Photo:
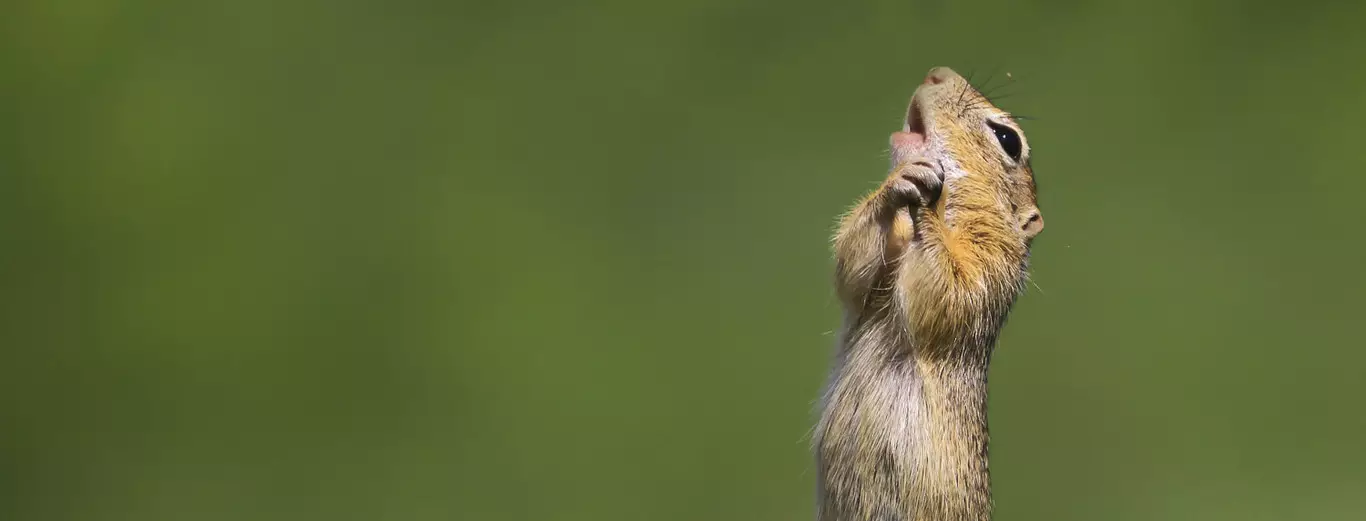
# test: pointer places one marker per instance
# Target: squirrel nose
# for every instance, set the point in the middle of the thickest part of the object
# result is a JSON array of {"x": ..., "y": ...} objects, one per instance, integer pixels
[{"x": 939, "y": 75}]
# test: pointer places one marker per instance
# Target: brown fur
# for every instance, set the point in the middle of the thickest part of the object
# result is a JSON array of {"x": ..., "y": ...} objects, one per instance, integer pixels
[{"x": 927, "y": 268}]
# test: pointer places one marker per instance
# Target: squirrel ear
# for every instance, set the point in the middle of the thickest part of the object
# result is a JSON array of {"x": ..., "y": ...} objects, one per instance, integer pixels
[{"x": 1033, "y": 223}]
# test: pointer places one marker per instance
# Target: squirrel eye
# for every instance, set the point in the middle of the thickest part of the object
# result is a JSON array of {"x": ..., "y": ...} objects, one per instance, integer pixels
[{"x": 1008, "y": 138}]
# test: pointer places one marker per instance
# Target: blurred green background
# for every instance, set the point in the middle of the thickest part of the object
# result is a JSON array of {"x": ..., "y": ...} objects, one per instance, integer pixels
[{"x": 520, "y": 261}]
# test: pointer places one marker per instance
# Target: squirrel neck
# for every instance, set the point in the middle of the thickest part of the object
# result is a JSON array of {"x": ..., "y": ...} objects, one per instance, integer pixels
[{"x": 904, "y": 434}]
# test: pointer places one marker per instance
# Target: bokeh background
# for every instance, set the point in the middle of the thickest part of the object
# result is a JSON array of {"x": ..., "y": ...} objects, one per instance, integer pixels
[{"x": 419, "y": 260}]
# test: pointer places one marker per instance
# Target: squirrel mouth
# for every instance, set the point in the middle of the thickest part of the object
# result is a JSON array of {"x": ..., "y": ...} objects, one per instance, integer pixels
[
  {"x": 915, "y": 118},
  {"x": 913, "y": 136}
]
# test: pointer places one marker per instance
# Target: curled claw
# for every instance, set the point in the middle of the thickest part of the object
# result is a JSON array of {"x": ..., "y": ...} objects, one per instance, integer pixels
[{"x": 917, "y": 183}]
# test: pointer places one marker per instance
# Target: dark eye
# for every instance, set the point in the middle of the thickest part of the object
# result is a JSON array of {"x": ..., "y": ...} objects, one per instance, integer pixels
[{"x": 1008, "y": 138}]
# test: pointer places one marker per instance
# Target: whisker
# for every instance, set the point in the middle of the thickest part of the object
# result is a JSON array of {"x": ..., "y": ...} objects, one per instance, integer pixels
[
  {"x": 990, "y": 92},
  {"x": 999, "y": 97},
  {"x": 967, "y": 80},
  {"x": 1017, "y": 78},
  {"x": 990, "y": 76},
  {"x": 962, "y": 92}
]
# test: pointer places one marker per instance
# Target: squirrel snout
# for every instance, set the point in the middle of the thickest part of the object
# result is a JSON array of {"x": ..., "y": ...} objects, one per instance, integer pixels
[{"x": 939, "y": 75}]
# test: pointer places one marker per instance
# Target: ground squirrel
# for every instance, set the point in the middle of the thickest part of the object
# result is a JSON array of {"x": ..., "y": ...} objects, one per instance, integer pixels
[{"x": 927, "y": 268}]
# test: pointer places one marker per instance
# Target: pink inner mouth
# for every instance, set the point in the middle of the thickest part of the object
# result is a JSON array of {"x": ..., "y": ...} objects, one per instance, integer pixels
[
  {"x": 907, "y": 141},
  {"x": 911, "y": 139}
]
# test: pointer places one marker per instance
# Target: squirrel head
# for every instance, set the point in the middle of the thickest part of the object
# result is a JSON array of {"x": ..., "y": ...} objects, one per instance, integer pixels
[{"x": 981, "y": 149}]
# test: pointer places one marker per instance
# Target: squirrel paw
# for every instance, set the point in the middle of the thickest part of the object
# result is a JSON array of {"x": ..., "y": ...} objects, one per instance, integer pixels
[{"x": 916, "y": 183}]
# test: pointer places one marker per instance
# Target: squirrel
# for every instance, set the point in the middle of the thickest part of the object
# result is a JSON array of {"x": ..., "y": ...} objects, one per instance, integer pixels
[{"x": 927, "y": 268}]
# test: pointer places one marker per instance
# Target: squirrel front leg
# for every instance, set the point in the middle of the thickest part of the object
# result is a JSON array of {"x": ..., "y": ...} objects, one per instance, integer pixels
[
  {"x": 874, "y": 235},
  {"x": 954, "y": 278}
]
